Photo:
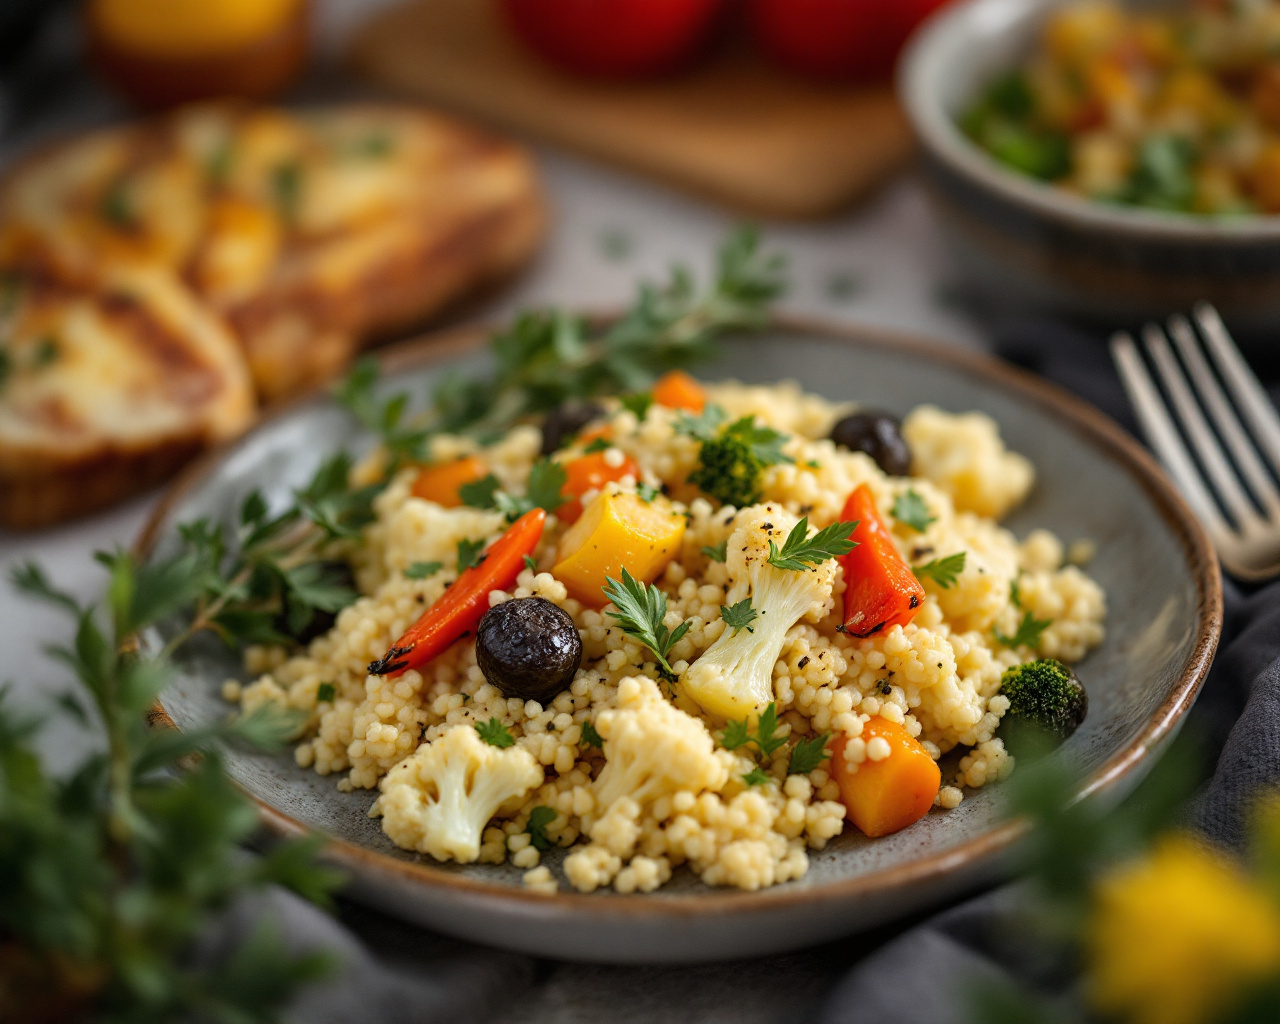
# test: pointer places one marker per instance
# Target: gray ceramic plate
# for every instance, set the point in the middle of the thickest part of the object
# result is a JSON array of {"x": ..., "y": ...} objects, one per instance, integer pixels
[{"x": 1158, "y": 570}]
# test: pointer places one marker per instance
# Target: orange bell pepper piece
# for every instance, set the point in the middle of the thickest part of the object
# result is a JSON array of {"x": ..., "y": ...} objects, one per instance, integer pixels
[
  {"x": 440, "y": 483},
  {"x": 880, "y": 590},
  {"x": 590, "y": 473},
  {"x": 886, "y": 796},
  {"x": 459, "y": 611},
  {"x": 677, "y": 390}
]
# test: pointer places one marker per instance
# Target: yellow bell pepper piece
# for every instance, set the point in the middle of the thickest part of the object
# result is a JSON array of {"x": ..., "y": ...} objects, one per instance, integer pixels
[{"x": 617, "y": 531}]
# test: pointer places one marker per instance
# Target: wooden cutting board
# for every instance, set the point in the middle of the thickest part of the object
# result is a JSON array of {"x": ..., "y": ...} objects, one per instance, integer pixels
[{"x": 734, "y": 129}]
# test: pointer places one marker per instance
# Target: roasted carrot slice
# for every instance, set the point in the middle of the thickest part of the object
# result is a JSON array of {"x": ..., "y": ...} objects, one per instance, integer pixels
[
  {"x": 880, "y": 590},
  {"x": 886, "y": 795},
  {"x": 590, "y": 473},
  {"x": 677, "y": 390},
  {"x": 459, "y": 611},
  {"x": 440, "y": 483}
]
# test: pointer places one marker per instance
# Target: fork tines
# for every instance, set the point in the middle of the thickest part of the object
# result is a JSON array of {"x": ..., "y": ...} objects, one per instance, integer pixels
[{"x": 1226, "y": 463}]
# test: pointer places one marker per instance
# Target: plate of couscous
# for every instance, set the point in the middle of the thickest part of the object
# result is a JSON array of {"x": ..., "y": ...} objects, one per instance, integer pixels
[{"x": 721, "y": 666}]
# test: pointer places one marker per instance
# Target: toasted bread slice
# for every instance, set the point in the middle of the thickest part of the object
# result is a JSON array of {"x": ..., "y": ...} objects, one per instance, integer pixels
[
  {"x": 311, "y": 233},
  {"x": 104, "y": 391}
]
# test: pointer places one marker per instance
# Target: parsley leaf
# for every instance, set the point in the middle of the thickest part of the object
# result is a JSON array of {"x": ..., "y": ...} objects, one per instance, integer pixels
[
  {"x": 495, "y": 734},
  {"x": 404, "y": 442},
  {"x": 422, "y": 570},
  {"x": 591, "y": 738},
  {"x": 640, "y": 613},
  {"x": 739, "y": 616},
  {"x": 546, "y": 485},
  {"x": 530, "y": 563},
  {"x": 765, "y": 443},
  {"x": 763, "y": 737},
  {"x": 911, "y": 511},
  {"x": 469, "y": 553},
  {"x": 704, "y": 426},
  {"x": 638, "y": 403},
  {"x": 326, "y": 692},
  {"x": 757, "y": 777},
  {"x": 598, "y": 444},
  {"x": 480, "y": 493},
  {"x": 808, "y": 754},
  {"x": 539, "y": 818},
  {"x": 1015, "y": 595},
  {"x": 800, "y": 550},
  {"x": 943, "y": 571},
  {"x": 1027, "y": 634},
  {"x": 718, "y": 553},
  {"x": 647, "y": 492}
]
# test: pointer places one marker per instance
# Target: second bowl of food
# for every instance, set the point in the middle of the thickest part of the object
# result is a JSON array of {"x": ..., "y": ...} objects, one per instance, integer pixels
[{"x": 1106, "y": 161}]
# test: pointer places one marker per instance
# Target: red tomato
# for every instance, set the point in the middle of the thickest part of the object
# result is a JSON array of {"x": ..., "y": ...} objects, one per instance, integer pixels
[
  {"x": 838, "y": 39},
  {"x": 613, "y": 38}
]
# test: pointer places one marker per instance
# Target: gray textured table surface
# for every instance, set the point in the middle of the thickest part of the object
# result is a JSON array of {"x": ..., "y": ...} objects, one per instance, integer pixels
[{"x": 879, "y": 265}]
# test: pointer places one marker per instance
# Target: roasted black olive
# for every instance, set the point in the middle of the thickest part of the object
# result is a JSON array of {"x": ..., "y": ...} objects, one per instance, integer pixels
[
  {"x": 879, "y": 435},
  {"x": 563, "y": 423},
  {"x": 305, "y": 624},
  {"x": 528, "y": 648}
]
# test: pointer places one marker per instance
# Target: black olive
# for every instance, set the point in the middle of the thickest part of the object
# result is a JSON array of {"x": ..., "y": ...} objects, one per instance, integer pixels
[
  {"x": 563, "y": 423},
  {"x": 305, "y": 627},
  {"x": 528, "y": 648},
  {"x": 879, "y": 435}
]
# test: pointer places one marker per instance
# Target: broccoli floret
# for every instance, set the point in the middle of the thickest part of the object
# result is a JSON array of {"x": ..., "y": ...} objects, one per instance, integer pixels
[
  {"x": 730, "y": 471},
  {"x": 1047, "y": 703},
  {"x": 732, "y": 461}
]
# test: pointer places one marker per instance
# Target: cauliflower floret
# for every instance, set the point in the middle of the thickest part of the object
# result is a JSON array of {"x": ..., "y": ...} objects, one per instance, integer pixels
[
  {"x": 734, "y": 676},
  {"x": 439, "y": 799},
  {"x": 652, "y": 748}
]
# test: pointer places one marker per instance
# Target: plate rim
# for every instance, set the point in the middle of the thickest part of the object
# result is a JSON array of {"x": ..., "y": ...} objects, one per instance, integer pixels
[{"x": 440, "y": 347}]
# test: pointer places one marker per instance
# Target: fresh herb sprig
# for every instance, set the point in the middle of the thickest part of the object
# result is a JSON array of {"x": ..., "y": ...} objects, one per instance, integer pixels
[
  {"x": 1027, "y": 634},
  {"x": 591, "y": 738},
  {"x": 494, "y": 733},
  {"x": 267, "y": 579},
  {"x": 548, "y": 357},
  {"x": 800, "y": 551},
  {"x": 545, "y": 489},
  {"x": 719, "y": 553},
  {"x": 640, "y": 613},
  {"x": 739, "y": 616},
  {"x": 539, "y": 818},
  {"x": 943, "y": 571},
  {"x": 805, "y": 756},
  {"x": 911, "y": 511},
  {"x": 113, "y": 871}
]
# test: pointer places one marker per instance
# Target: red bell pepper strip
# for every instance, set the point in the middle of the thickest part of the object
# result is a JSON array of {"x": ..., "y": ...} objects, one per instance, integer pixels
[
  {"x": 880, "y": 590},
  {"x": 459, "y": 611}
]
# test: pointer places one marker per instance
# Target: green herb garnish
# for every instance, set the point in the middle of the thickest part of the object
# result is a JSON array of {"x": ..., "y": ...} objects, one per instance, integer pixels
[
  {"x": 808, "y": 754},
  {"x": 757, "y": 777},
  {"x": 530, "y": 563},
  {"x": 639, "y": 403},
  {"x": 539, "y": 819},
  {"x": 495, "y": 734},
  {"x": 647, "y": 492},
  {"x": 763, "y": 737},
  {"x": 591, "y": 738},
  {"x": 640, "y": 613},
  {"x": 911, "y": 511},
  {"x": 704, "y": 426},
  {"x": 469, "y": 554},
  {"x": 739, "y": 616},
  {"x": 115, "y": 207},
  {"x": 801, "y": 551},
  {"x": 718, "y": 553},
  {"x": 480, "y": 493},
  {"x": 1027, "y": 634},
  {"x": 422, "y": 570},
  {"x": 326, "y": 692},
  {"x": 598, "y": 444},
  {"x": 943, "y": 571},
  {"x": 46, "y": 353}
]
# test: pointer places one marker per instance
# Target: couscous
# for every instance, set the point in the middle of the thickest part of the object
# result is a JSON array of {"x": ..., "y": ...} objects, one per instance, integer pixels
[{"x": 681, "y": 678}]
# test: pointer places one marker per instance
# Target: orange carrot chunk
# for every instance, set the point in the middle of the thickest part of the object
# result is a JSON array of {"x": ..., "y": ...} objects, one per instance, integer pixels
[
  {"x": 677, "y": 390},
  {"x": 459, "y": 611},
  {"x": 886, "y": 795},
  {"x": 590, "y": 473},
  {"x": 880, "y": 590},
  {"x": 440, "y": 483}
]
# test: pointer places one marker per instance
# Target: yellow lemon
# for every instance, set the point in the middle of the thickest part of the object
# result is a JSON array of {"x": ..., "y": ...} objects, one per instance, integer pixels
[{"x": 189, "y": 28}]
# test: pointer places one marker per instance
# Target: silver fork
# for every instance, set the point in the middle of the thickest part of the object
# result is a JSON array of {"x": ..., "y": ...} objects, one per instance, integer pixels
[{"x": 1236, "y": 497}]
